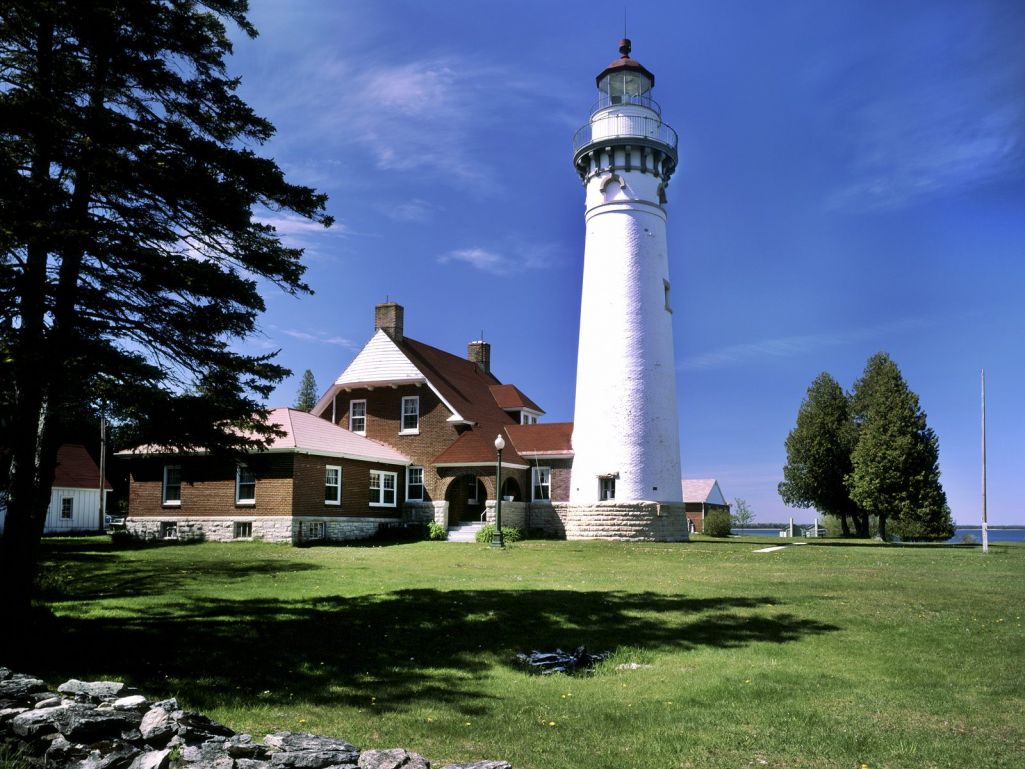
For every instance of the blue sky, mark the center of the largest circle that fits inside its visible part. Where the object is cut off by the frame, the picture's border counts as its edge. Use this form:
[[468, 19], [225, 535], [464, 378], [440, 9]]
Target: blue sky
[[851, 179]]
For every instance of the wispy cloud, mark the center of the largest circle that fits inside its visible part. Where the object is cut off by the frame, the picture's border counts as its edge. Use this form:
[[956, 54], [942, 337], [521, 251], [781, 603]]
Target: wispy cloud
[[320, 337], [298, 232], [952, 120], [792, 346], [415, 210], [505, 261]]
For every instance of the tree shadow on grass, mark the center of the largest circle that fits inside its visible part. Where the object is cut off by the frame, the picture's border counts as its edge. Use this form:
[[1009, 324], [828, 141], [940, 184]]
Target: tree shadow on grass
[[404, 648]]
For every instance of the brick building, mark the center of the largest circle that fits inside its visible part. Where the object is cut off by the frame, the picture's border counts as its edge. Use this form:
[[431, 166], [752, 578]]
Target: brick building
[[316, 481]]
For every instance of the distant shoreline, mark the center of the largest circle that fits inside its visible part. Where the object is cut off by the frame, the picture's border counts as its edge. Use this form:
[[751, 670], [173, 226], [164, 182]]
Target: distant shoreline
[[991, 527]]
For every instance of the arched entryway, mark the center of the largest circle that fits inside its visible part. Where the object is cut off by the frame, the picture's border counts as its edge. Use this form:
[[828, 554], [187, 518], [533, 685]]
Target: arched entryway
[[511, 488], [465, 495]]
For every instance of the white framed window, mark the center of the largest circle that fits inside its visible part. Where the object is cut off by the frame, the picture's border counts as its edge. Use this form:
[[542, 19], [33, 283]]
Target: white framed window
[[410, 415], [245, 485], [316, 530], [333, 485], [382, 488], [358, 416], [607, 487], [541, 483], [168, 530], [67, 508], [527, 419], [171, 489], [415, 484], [243, 530]]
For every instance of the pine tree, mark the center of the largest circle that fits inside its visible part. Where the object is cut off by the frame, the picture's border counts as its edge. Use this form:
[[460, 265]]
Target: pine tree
[[307, 397], [130, 247], [895, 463], [819, 456]]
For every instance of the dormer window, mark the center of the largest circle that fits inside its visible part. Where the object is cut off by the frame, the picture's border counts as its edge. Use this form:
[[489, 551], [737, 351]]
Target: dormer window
[[527, 419]]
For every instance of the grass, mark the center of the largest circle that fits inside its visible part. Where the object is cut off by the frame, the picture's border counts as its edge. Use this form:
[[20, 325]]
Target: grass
[[828, 655]]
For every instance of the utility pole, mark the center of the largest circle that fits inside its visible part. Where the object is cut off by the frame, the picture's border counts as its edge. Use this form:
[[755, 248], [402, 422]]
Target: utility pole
[[985, 529], [103, 471]]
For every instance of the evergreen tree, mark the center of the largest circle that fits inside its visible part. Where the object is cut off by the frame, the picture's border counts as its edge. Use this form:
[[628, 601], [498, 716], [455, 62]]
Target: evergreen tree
[[895, 463], [129, 247], [307, 397], [819, 456]]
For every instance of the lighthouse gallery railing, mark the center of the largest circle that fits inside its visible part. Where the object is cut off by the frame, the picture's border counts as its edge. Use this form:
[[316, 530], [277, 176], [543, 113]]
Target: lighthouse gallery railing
[[615, 127]]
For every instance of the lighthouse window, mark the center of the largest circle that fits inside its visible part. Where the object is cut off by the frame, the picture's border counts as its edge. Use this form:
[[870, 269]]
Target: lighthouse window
[[607, 488], [542, 483], [665, 286]]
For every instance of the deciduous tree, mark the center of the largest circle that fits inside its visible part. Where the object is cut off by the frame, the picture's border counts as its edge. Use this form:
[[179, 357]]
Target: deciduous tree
[[742, 514], [131, 252], [895, 462], [819, 456]]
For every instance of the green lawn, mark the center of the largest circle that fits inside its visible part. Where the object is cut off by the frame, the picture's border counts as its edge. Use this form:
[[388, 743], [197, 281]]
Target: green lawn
[[827, 655]]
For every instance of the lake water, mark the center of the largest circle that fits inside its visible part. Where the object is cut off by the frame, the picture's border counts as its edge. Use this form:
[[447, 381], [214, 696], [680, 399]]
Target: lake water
[[975, 532]]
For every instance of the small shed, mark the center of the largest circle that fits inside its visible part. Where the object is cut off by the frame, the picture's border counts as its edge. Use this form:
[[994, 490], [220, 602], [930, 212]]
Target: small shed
[[75, 495], [75, 498], [700, 497]]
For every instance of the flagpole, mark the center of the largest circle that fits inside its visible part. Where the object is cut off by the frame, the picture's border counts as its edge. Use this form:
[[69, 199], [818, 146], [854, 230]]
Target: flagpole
[[985, 529]]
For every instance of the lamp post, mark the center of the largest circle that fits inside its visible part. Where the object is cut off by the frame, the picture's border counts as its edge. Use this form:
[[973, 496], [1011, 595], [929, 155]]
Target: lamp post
[[497, 541]]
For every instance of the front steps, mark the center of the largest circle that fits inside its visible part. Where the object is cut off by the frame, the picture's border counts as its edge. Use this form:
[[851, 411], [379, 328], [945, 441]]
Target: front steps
[[464, 532]]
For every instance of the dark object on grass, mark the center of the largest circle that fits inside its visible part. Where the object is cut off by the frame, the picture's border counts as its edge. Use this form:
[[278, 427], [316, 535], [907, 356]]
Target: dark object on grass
[[559, 661]]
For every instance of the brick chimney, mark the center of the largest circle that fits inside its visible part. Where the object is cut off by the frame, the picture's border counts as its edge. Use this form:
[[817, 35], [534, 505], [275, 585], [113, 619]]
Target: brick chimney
[[479, 352], [388, 318]]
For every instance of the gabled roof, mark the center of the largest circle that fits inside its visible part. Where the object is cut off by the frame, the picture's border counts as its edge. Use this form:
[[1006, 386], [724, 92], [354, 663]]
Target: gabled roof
[[76, 469], [308, 434], [552, 439], [509, 398], [703, 490]]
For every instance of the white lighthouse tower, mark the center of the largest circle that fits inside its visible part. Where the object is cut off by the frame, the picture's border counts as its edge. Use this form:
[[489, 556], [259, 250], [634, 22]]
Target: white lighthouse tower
[[626, 439]]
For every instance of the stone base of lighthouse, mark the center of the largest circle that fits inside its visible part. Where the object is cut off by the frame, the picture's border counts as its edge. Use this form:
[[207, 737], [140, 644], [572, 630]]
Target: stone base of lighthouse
[[642, 521]]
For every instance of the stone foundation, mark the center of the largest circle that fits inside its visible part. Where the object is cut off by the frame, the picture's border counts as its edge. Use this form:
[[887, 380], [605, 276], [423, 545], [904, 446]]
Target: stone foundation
[[651, 521], [514, 514], [268, 528]]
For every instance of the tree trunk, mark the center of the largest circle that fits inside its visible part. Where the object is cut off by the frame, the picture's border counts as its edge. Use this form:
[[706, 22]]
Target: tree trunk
[[844, 526]]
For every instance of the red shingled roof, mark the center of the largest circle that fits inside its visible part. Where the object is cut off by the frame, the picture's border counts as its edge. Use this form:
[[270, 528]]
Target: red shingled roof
[[464, 385], [508, 396], [543, 438], [76, 469]]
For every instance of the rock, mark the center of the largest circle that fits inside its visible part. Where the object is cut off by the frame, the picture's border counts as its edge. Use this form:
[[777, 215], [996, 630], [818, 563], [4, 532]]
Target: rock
[[152, 759], [133, 736], [156, 727], [35, 723], [5, 673], [301, 750], [242, 746], [249, 763], [82, 723], [396, 758], [480, 765], [62, 752], [131, 702], [19, 687], [95, 691], [119, 756], [6, 714], [195, 727], [49, 702]]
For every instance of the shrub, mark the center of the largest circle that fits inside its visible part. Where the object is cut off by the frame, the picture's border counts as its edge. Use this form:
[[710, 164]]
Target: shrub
[[509, 534], [436, 532], [717, 524]]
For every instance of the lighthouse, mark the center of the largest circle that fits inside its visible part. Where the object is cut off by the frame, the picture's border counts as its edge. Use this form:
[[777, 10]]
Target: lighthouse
[[626, 441]]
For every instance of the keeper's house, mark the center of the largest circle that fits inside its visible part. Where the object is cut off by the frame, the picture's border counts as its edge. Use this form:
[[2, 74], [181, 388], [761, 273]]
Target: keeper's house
[[317, 481], [700, 497]]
